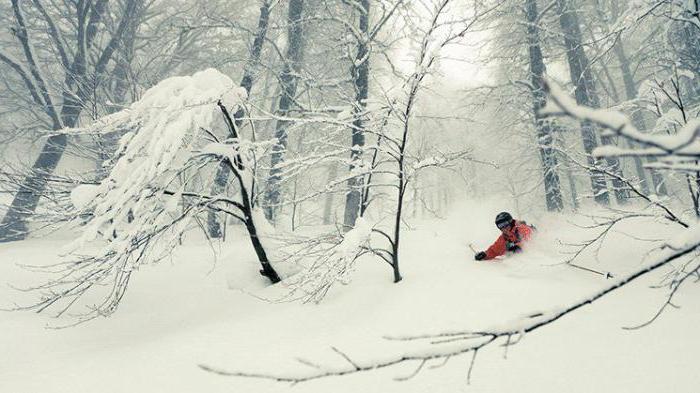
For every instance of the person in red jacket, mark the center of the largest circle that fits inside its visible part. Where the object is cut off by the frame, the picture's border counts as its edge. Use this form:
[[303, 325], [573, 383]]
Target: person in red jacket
[[513, 235]]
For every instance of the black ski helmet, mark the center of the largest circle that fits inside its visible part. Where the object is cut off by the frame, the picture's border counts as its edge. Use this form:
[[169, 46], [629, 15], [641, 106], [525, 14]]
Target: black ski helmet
[[503, 217]]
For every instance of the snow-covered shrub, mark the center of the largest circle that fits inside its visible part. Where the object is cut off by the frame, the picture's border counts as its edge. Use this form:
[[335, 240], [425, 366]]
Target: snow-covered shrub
[[334, 263]]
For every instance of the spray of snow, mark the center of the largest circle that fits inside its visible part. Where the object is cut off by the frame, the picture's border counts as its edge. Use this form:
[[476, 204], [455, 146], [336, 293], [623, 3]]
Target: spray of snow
[[335, 265]]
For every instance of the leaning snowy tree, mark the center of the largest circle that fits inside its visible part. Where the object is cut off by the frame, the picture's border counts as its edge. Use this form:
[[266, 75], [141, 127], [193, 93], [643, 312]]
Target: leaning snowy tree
[[157, 188]]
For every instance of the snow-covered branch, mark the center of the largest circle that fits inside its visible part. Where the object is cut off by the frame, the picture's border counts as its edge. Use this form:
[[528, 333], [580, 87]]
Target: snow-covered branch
[[684, 143]]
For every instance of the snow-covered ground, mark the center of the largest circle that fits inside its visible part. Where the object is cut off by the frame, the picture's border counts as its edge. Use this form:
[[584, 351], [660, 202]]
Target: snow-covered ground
[[195, 310]]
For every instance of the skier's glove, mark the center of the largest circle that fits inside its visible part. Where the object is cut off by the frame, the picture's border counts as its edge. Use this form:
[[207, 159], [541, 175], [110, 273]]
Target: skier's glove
[[480, 256], [512, 247]]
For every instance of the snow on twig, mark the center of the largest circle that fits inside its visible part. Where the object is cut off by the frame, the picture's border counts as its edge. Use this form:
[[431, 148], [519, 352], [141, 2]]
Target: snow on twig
[[685, 142]]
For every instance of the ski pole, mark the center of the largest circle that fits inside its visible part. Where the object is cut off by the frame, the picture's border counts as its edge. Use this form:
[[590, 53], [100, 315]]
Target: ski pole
[[606, 274]]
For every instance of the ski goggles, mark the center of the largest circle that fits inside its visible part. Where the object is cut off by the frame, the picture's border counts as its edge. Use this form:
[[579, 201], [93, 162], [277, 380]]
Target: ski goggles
[[503, 224]]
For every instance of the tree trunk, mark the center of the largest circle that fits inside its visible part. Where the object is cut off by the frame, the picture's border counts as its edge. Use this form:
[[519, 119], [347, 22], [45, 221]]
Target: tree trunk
[[360, 78], [289, 79], [222, 172], [688, 50], [581, 76], [572, 188], [544, 130], [14, 224], [328, 203], [118, 90], [267, 269], [631, 93], [247, 202], [611, 88]]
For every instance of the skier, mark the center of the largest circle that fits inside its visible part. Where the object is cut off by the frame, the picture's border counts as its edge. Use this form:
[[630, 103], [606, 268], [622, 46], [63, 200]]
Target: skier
[[513, 234]]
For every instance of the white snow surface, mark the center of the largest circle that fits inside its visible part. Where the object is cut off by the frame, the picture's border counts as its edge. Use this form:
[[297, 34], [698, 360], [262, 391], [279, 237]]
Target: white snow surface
[[199, 310], [83, 194]]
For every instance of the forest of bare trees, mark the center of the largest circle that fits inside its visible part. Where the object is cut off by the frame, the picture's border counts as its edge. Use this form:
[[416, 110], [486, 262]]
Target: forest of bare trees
[[319, 130]]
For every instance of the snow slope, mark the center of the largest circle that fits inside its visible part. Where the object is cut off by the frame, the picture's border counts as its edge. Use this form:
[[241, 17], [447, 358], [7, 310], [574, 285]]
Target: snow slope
[[196, 310]]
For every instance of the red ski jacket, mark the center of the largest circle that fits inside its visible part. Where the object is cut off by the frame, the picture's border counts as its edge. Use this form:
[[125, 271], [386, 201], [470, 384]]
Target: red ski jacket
[[514, 237]]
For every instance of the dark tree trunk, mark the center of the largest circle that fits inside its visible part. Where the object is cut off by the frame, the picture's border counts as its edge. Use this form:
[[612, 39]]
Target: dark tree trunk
[[581, 76], [246, 206], [14, 224], [360, 77], [685, 43], [222, 172], [267, 269], [289, 79], [119, 88], [544, 130], [397, 232]]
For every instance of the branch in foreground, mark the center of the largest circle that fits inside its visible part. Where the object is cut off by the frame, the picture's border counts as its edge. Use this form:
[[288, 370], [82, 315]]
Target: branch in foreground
[[446, 345], [683, 143]]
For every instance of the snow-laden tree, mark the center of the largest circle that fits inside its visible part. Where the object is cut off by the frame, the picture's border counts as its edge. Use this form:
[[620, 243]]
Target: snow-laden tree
[[156, 188]]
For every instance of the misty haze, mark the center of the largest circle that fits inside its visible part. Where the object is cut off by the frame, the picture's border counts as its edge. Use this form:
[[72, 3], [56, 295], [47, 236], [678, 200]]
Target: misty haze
[[374, 196]]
